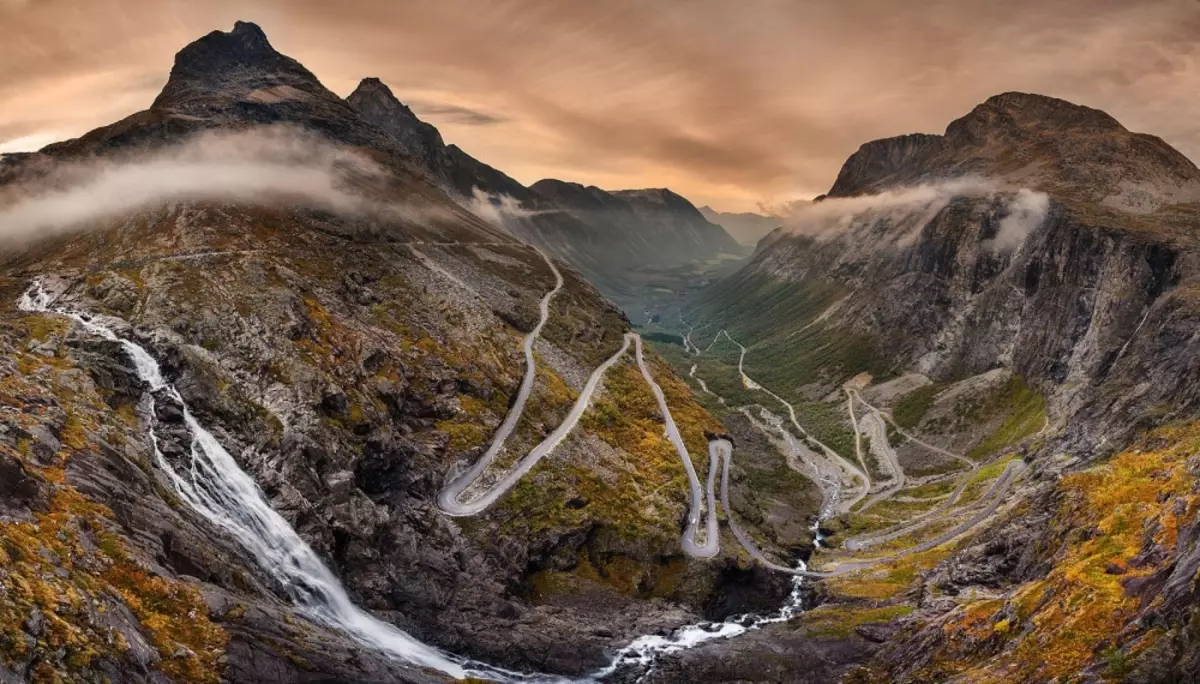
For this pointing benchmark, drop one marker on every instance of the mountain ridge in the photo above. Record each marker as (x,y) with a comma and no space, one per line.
(1009,135)
(745,227)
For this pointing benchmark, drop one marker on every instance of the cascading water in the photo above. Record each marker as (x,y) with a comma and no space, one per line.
(217,488)
(642,652)
(212,484)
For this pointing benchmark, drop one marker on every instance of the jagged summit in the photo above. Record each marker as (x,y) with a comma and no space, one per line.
(240,63)
(374,91)
(376,103)
(232,79)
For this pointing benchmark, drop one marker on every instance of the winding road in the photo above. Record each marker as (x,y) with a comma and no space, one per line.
(994,498)
(853,471)
(698,541)
(712,540)
(449,498)
(701,534)
(875,425)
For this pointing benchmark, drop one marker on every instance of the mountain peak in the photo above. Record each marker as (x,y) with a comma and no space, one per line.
(1018,115)
(375,102)
(223,65)
(374,94)
(1035,140)
(248,30)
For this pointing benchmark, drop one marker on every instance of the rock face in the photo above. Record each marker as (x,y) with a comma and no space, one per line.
(1035,141)
(349,363)
(1093,303)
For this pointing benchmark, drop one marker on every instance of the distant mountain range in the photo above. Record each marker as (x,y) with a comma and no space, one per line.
(747,227)
(603,233)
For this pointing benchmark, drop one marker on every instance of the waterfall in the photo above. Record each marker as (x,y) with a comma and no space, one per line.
(215,486)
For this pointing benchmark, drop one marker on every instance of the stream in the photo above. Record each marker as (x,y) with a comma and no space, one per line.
(213,485)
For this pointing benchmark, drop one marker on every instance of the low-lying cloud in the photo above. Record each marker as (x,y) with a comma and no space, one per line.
(275,166)
(498,208)
(1026,212)
(908,209)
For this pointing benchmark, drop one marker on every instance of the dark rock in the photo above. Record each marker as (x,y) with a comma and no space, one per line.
(20,491)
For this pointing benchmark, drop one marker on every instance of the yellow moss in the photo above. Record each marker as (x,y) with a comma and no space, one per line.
(840,620)
(1057,624)
(64,564)
(887,580)
(619,573)
(36,556)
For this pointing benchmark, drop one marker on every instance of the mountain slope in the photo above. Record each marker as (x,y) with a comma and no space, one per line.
(1039,240)
(603,234)
(348,362)
(643,227)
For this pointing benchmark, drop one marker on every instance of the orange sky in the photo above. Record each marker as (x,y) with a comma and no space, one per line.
(731,103)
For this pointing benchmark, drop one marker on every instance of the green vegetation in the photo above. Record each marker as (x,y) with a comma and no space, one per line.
(1026,414)
(666,338)
(840,620)
(788,349)
(885,581)
(1081,614)
(912,407)
(641,498)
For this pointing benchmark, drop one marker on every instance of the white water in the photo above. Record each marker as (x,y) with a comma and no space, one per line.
(644,651)
(217,488)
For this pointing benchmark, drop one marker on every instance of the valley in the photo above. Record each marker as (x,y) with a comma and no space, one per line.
(403,418)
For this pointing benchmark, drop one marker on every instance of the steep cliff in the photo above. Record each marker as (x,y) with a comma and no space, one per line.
(1035,238)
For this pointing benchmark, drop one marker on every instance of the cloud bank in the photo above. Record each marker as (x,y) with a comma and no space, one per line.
(275,166)
(497,208)
(908,209)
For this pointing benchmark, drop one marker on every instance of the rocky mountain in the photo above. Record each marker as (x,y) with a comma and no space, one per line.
(225,420)
(745,227)
(645,227)
(602,233)
(1036,240)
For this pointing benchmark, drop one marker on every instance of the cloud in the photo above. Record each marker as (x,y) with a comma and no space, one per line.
(28,143)
(497,209)
(455,114)
(275,166)
(725,105)
(1026,212)
(904,211)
